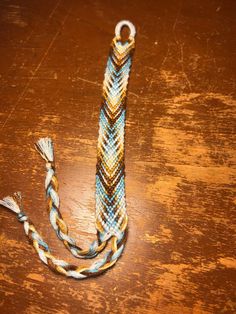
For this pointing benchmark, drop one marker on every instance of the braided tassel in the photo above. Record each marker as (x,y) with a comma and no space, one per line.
(111,215)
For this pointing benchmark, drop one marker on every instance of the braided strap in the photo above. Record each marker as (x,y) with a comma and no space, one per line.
(58,265)
(111,215)
(45,148)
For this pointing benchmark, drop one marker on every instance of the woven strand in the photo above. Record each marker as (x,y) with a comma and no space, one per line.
(111,215)
(45,147)
(58,265)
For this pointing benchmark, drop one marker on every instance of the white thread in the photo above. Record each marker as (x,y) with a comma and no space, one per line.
(55,198)
(42,256)
(11,204)
(130,25)
(59,262)
(26,227)
(49,176)
(75,274)
(45,148)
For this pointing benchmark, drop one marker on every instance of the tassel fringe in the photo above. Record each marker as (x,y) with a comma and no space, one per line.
(11,204)
(45,147)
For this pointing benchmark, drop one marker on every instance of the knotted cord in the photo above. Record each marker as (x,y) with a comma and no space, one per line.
(111,215)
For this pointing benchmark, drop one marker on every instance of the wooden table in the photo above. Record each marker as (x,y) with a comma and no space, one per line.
(180,152)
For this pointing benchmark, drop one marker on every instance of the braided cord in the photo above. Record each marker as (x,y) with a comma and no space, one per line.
(45,148)
(58,265)
(111,215)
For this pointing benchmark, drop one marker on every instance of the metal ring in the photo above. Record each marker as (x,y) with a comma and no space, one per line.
(125,23)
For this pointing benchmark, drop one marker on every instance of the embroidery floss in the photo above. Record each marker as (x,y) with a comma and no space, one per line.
(111,215)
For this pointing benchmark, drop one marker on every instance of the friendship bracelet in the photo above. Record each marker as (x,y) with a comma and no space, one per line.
(111,214)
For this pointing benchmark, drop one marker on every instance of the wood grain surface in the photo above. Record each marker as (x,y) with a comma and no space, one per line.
(180,152)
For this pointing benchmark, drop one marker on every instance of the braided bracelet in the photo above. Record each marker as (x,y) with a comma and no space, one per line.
(111,215)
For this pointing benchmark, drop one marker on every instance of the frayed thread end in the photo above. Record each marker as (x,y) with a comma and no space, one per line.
(10,203)
(45,147)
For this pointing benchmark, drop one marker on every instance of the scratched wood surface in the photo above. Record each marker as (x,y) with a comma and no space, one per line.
(180,152)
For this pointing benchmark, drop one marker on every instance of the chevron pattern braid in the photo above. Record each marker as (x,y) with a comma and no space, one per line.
(111,215)
(110,181)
